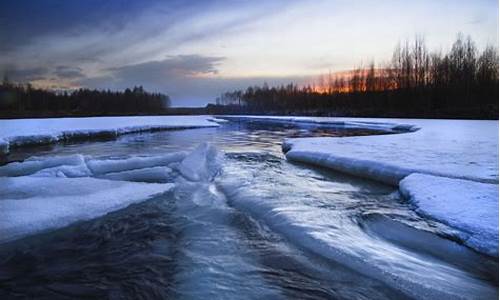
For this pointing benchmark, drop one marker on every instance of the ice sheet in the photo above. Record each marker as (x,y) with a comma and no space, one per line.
(34,204)
(19,132)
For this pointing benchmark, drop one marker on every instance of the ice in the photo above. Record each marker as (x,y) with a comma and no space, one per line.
(118,165)
(218,120)
(130,169)
(35,164)
(376,124)
(468,206)
(154,174)
(4,146)
(450,148)
(19,132)
(379,171)
(70,171)
(34,204)
(203,164)
(43,193)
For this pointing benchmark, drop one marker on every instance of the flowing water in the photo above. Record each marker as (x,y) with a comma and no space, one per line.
(263,228)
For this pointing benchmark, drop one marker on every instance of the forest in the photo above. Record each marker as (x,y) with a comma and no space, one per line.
(22,100)
(462,83)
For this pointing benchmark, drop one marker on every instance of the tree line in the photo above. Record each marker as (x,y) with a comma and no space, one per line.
(462,83)
(18,100)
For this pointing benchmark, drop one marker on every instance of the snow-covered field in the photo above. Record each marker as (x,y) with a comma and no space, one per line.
(453,149)
(18,132)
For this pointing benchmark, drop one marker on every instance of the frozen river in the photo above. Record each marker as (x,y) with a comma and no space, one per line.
(260,227)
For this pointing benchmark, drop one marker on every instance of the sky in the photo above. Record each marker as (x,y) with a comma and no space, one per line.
(195,50)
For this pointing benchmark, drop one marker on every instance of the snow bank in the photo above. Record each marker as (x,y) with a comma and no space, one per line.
(34,204)
(20,132)
(468,206)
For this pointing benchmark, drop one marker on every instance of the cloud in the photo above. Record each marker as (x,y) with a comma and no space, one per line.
(67,72)
(174,75)
(23,21)
(24,75)
(171,68)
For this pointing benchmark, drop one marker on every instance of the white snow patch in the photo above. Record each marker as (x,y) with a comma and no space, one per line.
(471,207)
(19,132)
(34,204)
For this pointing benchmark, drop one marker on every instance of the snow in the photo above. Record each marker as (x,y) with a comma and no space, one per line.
(34,204)
(448,168)
(471,207)
(19,132)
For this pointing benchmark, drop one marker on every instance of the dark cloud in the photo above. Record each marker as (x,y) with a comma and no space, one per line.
(175,75)
(67,72)
(22,21)
(64,73)
(173,67)
(25,75)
